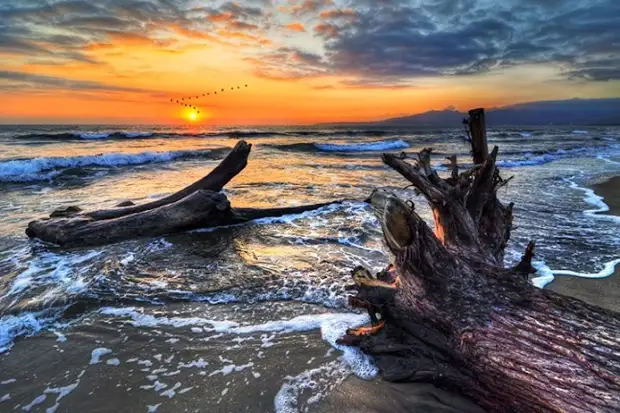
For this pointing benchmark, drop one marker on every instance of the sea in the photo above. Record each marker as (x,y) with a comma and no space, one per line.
(244,318)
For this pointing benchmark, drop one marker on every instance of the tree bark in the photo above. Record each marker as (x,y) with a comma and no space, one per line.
(457,318)
(197,206)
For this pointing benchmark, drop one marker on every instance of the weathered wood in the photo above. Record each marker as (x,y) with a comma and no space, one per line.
(462,321)
(249,214)
(196,207)
(200,209)
(230,167)
(478,131)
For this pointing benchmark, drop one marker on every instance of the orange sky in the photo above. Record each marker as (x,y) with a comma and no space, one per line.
(129,77)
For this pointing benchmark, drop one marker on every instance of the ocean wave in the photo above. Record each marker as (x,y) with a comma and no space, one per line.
(46,168)
(111,135)
(542,158)
(87,135)
(375,146)
(362,146)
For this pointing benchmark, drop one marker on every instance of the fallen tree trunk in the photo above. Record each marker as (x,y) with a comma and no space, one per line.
(451,314)
(230,167)
(197,206)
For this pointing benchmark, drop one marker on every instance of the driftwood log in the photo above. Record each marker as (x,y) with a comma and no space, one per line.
(199,205)
(448,312)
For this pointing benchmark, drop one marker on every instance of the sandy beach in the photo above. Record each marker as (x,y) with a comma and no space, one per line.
(230,320)
(604,292)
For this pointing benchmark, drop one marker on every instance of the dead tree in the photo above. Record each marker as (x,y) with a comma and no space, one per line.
(452,315)
(199,205)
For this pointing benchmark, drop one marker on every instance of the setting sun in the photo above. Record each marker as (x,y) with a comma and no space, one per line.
(192,116)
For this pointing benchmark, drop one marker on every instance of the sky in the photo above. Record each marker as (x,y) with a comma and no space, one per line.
(304,61)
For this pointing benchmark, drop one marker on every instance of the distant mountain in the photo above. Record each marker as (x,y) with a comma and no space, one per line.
(553,112)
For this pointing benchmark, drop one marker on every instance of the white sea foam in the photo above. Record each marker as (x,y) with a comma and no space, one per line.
(547,275)
(539,159)
(62,391)
(58,270)
(91,135)
(525,134)
(580,132)
(331,325)
(363,146)
(595,200)
(152,408)
(544,274)
(97,353)
(38,400)
(24,324)
(329,321)
(113,362)
(46,168)
(318,382)
(605,159)
(608,269)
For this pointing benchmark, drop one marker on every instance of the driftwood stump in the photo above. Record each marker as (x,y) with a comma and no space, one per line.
(199,205)
(448,312)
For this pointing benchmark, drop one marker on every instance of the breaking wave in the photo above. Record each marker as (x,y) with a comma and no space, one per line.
(46,168)
(111,135)
(376,146)
(362,147)
(87,135)
(541,158)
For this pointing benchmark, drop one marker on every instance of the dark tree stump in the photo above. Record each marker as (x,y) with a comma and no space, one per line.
(462,321)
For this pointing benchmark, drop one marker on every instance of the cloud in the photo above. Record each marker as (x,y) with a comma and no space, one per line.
(30,80)
(307,7)
(368,43)
(327,31)
(348,14)
(399,41)
(295,27)
(288,64)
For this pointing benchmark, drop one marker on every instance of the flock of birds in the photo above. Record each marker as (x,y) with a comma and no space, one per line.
(184,101)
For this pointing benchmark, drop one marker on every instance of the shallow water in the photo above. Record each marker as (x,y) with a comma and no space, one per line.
(257,284)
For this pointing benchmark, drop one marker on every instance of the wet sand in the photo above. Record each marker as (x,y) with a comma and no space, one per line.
(161,368)
(129,364)
(604,292)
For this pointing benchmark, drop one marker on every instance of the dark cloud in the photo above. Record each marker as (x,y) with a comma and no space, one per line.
(25,80)
(13,45)
(397,41)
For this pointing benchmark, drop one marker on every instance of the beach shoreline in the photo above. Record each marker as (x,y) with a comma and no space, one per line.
(604,292)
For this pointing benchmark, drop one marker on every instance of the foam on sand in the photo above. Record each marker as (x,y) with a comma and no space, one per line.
(97,353)
(362,146)
(331,325)
(595,200)
(320,381)
(46,168)
(546,275)
(25,324)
